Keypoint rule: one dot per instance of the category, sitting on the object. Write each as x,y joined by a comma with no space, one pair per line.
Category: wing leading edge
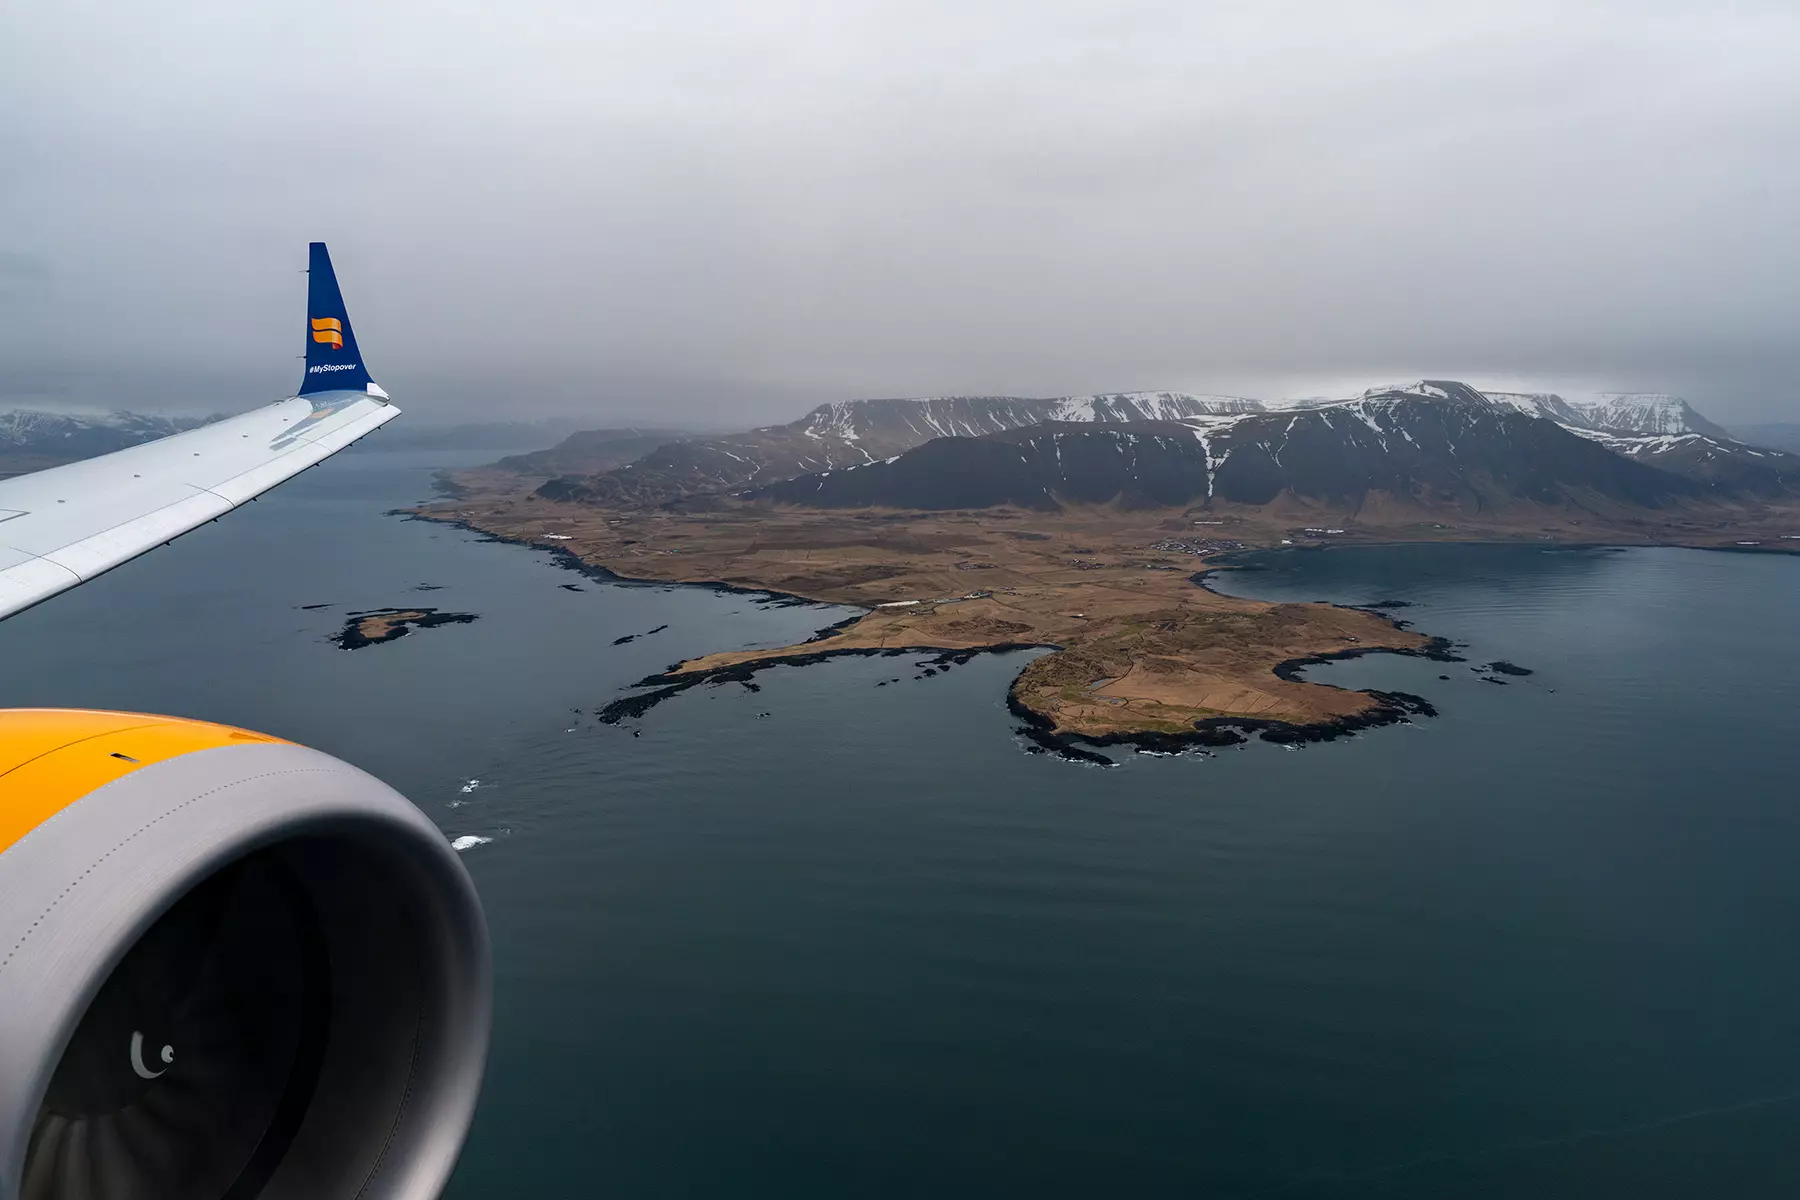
64,526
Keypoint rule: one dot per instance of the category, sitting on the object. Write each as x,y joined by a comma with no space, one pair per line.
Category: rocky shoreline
1037,728
673,682
1392,708
568,560
371,627
1437,650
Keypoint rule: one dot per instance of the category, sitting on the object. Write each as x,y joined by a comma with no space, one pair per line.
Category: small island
374,626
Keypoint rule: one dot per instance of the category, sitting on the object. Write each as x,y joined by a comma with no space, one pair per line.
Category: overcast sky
727,212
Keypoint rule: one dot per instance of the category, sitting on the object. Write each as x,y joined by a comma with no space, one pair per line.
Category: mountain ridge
1441,446
32,439
846,432
851,433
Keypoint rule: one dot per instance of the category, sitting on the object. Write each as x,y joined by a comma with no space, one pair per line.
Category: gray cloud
733,211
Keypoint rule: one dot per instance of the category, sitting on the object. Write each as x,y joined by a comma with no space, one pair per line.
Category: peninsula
1086,526
1143,653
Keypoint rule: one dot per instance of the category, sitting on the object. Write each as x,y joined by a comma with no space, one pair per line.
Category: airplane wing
63,526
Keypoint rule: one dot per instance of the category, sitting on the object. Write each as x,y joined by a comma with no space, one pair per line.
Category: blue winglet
333,363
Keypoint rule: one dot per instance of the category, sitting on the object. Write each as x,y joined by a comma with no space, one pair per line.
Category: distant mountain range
1631,413
591,450
478,435
1438,442
1779,436
31,439
849,432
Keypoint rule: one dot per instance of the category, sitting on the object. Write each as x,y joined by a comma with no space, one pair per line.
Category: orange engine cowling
230,967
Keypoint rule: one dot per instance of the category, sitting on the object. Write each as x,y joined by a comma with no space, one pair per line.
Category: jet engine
230,967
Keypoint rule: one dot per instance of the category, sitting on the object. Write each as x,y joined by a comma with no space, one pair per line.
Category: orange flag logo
328,330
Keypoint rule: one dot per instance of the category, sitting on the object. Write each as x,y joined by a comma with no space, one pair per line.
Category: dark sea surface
832,939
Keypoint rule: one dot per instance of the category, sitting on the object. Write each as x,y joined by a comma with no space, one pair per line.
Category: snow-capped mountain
1646,413
1721,464
1548,405
31,438
1437,445
1337,450
30,429
1615,412
849,432
972,416
1665,432
1629,413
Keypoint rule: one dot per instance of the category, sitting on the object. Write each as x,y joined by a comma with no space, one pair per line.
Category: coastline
568,560
674,681
1391,708
1259,691
903,554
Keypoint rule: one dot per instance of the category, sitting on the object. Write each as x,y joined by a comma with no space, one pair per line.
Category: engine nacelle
230,967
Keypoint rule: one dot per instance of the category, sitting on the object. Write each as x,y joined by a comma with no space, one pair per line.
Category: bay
827,937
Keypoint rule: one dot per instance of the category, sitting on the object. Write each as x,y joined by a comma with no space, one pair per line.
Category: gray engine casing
400,1005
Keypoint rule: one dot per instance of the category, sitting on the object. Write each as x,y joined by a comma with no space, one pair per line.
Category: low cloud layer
724,212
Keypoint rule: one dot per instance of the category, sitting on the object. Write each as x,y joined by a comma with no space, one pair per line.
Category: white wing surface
62,527
66,525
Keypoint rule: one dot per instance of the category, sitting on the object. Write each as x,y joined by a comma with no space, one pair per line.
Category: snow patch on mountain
1440,417
1547,405
1656,443
35,428
1651,445
1646,413
1147,406
926,417
40,435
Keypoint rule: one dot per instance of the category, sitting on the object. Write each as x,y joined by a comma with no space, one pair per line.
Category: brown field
1142,648
381,626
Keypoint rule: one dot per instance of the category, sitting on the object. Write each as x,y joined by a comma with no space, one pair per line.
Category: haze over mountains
1432,442
590,450
1455,449
31,439
1776,436
851,432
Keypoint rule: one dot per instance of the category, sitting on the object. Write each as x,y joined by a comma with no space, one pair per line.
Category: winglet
333,363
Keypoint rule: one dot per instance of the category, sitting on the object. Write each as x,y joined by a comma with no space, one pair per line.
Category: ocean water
827,938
